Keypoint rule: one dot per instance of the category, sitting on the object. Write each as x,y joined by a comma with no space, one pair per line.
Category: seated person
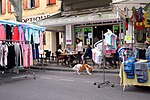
88,53
59,51
68,49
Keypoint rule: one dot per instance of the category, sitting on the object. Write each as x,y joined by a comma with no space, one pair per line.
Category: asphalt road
58,85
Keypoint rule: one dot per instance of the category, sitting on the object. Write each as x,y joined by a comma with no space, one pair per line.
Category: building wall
42,9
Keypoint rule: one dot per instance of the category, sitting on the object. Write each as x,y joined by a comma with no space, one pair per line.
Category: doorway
97,32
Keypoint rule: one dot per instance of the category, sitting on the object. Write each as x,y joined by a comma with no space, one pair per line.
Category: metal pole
120,41
103,57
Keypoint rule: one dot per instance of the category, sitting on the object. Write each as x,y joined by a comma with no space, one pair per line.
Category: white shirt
79,46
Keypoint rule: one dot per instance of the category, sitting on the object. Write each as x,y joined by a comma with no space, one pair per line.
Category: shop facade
86,26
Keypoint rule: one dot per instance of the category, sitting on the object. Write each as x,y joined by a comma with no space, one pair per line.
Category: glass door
88,36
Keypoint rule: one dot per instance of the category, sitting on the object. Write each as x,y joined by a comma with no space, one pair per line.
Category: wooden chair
59,58
47,55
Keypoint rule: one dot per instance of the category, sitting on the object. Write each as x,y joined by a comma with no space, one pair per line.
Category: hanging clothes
30,33
36,37
31,55
110,42
26,34
140,36
37,51
25,55
41,40
3,57
8,32
11,57
2,32
21,55
17,50
15,35
21,36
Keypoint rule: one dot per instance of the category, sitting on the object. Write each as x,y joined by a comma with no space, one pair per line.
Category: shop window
51,2
31,3
78,33
0,6
88,36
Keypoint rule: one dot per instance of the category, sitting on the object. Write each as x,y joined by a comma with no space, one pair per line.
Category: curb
70,69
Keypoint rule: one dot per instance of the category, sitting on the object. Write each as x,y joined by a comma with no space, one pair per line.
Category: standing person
79,48
88,53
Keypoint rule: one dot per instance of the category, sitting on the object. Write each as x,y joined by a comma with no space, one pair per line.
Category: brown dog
83,67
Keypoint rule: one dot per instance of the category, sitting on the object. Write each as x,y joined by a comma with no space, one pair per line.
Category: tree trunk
17,4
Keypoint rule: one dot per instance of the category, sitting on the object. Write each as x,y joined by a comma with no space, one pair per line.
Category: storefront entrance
90,35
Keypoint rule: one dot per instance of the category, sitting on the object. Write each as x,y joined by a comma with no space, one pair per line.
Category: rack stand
103,62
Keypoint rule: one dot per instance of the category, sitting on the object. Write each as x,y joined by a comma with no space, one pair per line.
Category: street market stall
18,45
135,68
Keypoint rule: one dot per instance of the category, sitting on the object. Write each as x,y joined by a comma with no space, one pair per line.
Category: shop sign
68,34
35,18
77,20
116,27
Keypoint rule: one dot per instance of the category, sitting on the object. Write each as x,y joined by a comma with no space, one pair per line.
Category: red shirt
15,35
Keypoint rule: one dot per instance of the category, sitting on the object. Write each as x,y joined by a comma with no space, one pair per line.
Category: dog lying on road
82,67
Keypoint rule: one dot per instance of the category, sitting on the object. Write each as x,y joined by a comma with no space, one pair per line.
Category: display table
125,81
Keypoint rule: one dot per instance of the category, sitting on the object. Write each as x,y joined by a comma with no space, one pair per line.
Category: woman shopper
79,49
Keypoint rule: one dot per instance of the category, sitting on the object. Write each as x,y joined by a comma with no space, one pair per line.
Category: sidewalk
54,67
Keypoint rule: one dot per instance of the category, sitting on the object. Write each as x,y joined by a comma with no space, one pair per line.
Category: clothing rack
17,72
104,82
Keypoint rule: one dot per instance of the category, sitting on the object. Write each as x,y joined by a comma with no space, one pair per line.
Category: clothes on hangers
3,55
8,32
110,42
11,57
2,32
41,40
36,37
15,34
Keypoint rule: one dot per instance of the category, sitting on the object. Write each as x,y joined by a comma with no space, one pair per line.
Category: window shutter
3,6
9,6
24,4
52,1
37,3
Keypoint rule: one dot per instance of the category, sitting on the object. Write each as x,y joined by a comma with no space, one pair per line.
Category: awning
22,24
72,20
